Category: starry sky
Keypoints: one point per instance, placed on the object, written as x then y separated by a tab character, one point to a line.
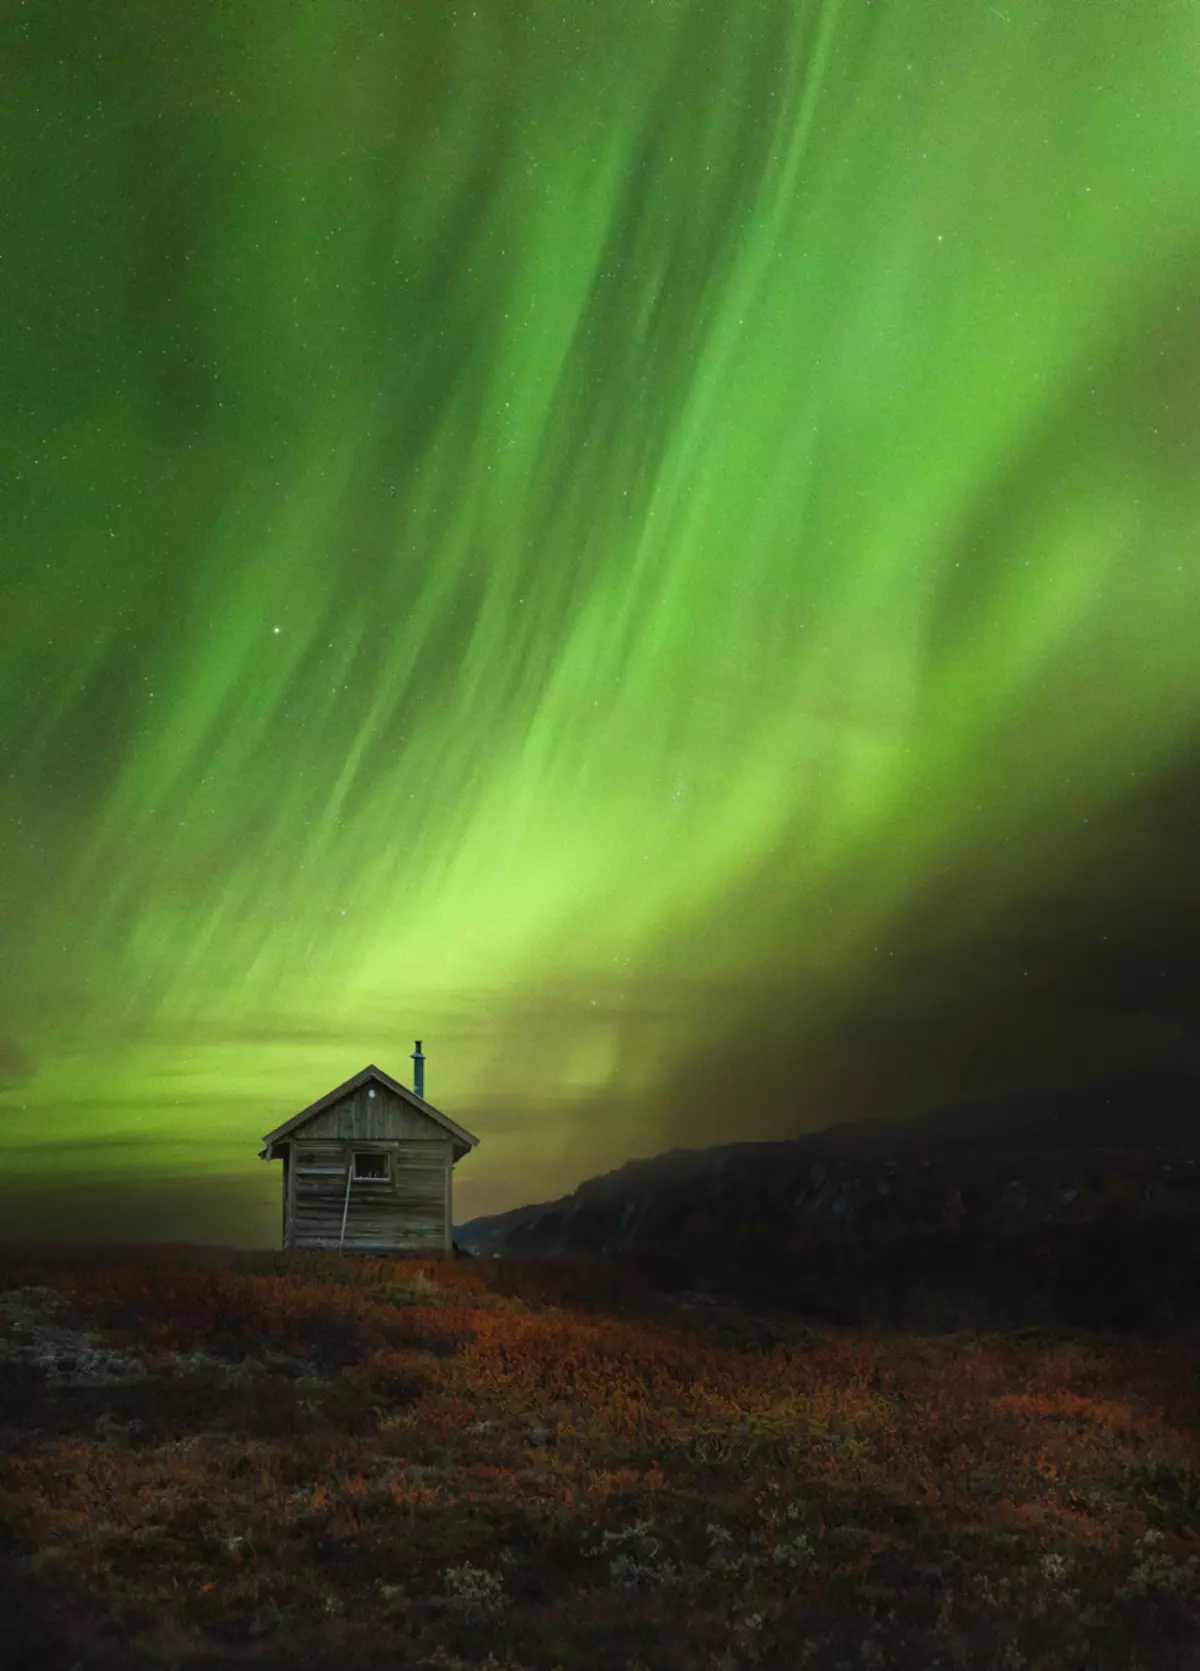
653	546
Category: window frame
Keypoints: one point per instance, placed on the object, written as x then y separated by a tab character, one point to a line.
371	1178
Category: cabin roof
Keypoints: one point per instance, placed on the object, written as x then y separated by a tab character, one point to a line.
352	1084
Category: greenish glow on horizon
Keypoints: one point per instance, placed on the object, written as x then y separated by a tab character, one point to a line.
555	530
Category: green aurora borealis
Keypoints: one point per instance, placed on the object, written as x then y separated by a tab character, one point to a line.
652	546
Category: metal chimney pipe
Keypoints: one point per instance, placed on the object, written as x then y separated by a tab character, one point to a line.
418	1061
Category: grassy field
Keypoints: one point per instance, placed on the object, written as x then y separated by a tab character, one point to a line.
310	1461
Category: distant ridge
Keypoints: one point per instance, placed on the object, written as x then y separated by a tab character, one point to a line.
1130	1113
1087	1198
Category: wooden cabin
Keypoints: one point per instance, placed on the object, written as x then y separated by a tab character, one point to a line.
369	1167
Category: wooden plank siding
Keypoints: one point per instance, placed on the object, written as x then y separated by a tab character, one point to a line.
447	1240
405	1213
361	1115
289	1196
287	1183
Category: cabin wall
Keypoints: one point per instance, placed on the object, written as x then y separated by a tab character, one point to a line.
407	1214
289	1198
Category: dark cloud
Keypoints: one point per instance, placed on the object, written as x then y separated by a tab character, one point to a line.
1086	966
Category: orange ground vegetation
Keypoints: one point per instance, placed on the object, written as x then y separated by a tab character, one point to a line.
307	1460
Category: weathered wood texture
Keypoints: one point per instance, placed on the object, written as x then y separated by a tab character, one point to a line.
405	1213
361	1114
329	1201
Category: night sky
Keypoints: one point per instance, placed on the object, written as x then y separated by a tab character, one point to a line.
653	546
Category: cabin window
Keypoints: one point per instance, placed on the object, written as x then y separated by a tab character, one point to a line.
370	1163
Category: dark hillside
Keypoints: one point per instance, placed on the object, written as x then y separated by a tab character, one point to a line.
1081	1208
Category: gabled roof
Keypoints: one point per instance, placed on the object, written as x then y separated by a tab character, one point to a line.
360	1078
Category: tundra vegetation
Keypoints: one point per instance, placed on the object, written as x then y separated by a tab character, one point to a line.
272	1460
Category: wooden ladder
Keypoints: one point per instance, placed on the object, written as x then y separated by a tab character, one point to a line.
346	1202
